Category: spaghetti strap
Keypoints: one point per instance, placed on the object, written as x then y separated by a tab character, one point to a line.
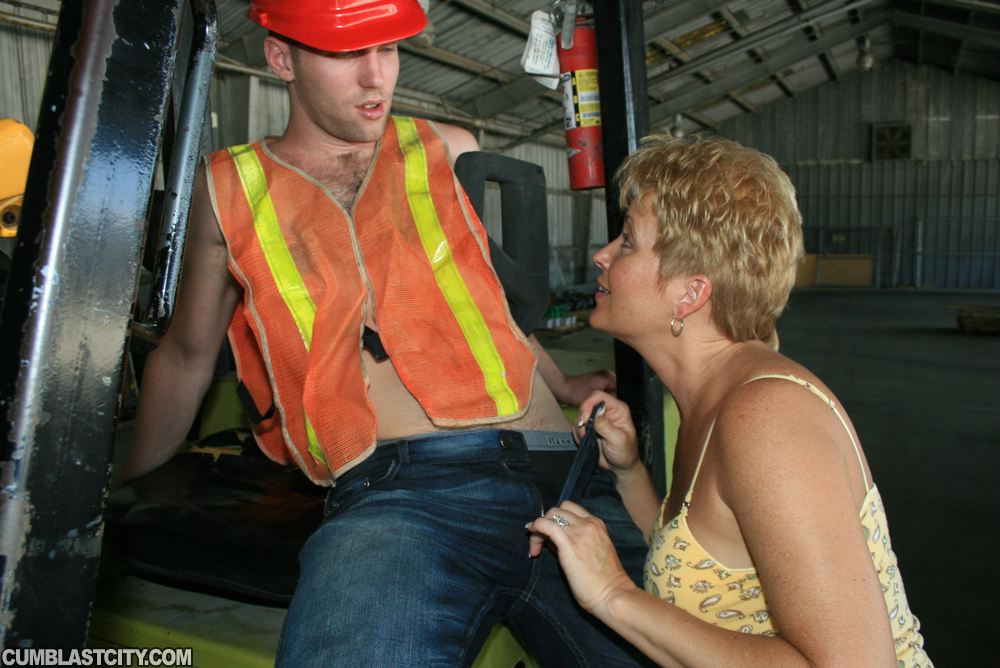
829	402
697	468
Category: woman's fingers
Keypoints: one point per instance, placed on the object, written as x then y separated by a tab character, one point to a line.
573	508
554	523
585	550
551	526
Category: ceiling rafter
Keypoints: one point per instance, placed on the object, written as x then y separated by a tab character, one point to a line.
971	5
746	74
956	66
945	28
706	74
813	33
759	37
755	53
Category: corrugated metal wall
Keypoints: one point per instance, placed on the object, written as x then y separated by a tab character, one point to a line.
577	220
24	63
932	220
931	224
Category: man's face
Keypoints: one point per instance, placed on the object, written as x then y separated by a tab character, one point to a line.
346	94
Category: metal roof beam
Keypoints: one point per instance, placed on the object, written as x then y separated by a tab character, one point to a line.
755	53
745	74
957	31
493	14
706	75
505	97
819	12
47	6
452	59
971	5
679	14
826	59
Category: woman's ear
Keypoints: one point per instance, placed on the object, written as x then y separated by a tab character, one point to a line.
697	290
279	56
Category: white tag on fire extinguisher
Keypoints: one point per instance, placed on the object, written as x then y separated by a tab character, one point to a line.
540	58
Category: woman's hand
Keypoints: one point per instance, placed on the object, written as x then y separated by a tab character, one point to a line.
585	551
618	441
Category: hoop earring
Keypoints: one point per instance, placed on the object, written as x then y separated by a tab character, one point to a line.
674	329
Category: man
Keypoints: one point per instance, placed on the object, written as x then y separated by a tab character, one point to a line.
367	314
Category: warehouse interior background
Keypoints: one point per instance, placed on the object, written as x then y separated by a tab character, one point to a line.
886	116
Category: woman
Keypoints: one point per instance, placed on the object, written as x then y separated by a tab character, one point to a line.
772	546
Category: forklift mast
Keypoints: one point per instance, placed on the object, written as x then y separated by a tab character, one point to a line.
73	278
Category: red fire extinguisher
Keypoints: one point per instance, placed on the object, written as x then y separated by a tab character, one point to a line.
582	106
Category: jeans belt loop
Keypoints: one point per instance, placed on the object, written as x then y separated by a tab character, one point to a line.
403	450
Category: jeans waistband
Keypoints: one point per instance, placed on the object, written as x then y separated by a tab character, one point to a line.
453	447
532	439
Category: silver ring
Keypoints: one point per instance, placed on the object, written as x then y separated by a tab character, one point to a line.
560	520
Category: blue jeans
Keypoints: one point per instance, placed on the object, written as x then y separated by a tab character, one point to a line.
423	550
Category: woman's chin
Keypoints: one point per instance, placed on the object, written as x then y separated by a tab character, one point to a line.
599	322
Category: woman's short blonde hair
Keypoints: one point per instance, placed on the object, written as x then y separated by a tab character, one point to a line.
725	211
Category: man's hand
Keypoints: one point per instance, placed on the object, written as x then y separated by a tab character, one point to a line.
575	389
571	390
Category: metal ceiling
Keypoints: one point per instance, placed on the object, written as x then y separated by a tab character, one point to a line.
707	60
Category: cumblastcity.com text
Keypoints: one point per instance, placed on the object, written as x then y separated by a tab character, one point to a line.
156	656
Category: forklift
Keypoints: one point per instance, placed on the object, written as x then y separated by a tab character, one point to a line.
118	139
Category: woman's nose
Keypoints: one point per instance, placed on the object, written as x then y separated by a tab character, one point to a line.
601	257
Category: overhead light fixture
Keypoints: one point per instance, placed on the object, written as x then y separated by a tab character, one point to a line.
866	60
676	130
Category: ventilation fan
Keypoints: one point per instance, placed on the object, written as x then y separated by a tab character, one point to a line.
891	141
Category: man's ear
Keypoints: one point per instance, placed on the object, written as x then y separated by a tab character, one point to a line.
697	290
279	57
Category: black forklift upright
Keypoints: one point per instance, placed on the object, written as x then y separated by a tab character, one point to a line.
65	313
521	260
621	67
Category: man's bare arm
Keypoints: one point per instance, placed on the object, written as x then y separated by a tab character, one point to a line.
179	371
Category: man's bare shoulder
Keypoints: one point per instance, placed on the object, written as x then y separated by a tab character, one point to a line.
203	223
459	140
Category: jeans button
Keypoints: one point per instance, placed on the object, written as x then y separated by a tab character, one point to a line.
506	440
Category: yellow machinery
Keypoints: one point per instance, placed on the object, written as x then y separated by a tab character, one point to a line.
16	142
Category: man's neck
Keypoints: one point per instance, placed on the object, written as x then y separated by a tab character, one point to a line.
340	166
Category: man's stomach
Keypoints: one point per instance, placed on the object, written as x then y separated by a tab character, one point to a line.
399	414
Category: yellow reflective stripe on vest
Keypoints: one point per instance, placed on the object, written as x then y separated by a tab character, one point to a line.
449	280
279	259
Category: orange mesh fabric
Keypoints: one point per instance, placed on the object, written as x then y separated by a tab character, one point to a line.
340	262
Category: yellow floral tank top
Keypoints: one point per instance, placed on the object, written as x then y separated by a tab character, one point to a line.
682	572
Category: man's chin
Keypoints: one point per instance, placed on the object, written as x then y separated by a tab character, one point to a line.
370	132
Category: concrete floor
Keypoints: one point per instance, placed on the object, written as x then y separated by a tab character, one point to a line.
925	399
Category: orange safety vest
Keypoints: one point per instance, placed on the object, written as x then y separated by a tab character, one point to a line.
413	253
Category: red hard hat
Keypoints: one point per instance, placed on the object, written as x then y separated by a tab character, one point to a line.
340	25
